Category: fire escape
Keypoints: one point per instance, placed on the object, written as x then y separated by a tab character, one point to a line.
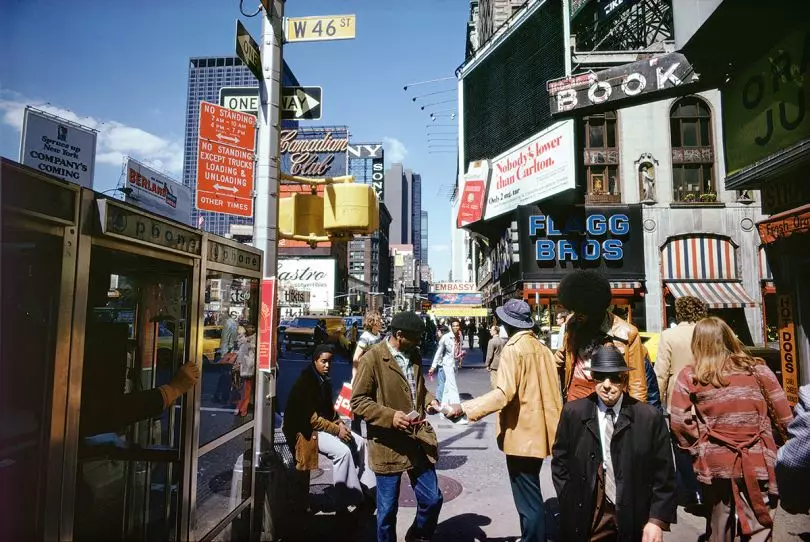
633	29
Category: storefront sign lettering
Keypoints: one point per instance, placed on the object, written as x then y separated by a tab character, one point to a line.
765	108
596	225
453	287
776	228
226	255
621	82
787	349
125	223
311	157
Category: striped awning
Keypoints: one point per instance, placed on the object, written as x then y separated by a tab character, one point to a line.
699	258
717	295
550	288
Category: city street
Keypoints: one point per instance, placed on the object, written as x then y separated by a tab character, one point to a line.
472	473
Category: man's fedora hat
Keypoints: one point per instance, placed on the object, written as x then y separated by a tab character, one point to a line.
608	359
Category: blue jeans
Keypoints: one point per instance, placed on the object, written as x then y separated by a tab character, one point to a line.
440	384
524	476
428	498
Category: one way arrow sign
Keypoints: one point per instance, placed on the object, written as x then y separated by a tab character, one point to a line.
301	103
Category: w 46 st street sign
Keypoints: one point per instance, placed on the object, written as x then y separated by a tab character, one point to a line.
322	28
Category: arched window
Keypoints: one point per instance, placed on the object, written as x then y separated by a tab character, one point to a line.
693	177
602	159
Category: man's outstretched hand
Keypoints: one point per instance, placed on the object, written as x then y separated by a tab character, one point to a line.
453	411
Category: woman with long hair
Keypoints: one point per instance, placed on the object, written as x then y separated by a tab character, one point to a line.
724	407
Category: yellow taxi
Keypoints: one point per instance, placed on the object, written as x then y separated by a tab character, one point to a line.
650	342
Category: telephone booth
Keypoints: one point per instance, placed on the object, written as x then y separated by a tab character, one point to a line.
102	303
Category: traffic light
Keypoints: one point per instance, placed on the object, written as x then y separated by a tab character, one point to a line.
352	208
345	209
301	215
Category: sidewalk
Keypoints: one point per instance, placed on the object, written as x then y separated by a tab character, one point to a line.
472	473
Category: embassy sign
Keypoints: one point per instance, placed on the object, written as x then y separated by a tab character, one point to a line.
646	80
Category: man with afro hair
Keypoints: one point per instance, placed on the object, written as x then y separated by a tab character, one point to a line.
586	293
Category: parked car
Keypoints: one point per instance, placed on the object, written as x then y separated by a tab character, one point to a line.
301	331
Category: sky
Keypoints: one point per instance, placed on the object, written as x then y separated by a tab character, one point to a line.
122	68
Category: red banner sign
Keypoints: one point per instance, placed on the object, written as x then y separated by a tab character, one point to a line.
343	403
267	326
471	208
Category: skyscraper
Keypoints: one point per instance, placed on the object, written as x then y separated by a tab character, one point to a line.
424	237
415	189
403	197
206	76
396	196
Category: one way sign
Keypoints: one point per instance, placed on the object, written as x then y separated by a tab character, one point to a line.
301	103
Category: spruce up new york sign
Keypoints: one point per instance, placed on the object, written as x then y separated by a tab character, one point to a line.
553	241
314	152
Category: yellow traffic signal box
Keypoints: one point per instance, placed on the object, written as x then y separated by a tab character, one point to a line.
350	207
301	214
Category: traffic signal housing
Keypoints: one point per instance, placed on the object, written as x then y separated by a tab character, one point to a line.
352	208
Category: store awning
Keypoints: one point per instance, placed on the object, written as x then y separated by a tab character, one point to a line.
550	288
717	295
785	224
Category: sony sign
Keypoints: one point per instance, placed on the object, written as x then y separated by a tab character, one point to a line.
644	77
374	152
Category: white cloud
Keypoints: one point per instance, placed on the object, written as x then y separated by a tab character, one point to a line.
115	139
395	150
439	248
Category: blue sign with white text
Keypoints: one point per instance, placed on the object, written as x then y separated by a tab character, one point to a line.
557	247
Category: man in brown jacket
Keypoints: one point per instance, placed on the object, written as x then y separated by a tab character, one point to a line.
528	399
312	426
389	393
587	294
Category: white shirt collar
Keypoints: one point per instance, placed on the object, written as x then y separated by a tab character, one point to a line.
603	407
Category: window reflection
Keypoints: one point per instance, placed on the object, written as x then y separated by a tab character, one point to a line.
228	354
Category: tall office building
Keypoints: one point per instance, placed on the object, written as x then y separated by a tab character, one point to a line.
424	237
403	197
395	196
206	76
415	189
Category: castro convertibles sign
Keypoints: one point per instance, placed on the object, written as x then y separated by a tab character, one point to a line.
553	241
313	275
536	169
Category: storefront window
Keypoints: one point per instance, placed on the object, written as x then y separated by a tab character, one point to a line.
228	354
692	152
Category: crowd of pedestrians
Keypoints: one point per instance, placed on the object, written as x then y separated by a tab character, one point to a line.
720	437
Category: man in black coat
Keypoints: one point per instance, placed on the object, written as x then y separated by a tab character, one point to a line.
612	462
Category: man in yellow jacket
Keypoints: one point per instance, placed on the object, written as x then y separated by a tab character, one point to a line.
527	397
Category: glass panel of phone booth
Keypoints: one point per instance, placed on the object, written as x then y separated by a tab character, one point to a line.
31	271
129	459
224	472
228	354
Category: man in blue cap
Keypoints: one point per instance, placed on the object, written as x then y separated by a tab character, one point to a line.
527	396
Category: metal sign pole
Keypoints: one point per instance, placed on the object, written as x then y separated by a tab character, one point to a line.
266	209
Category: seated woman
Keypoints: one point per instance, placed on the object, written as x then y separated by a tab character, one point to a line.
312	426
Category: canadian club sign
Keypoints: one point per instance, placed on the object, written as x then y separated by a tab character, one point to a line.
316	156
645	80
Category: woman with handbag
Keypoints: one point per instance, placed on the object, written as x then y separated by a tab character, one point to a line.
728	410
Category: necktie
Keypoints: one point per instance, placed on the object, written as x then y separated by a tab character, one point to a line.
610	480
